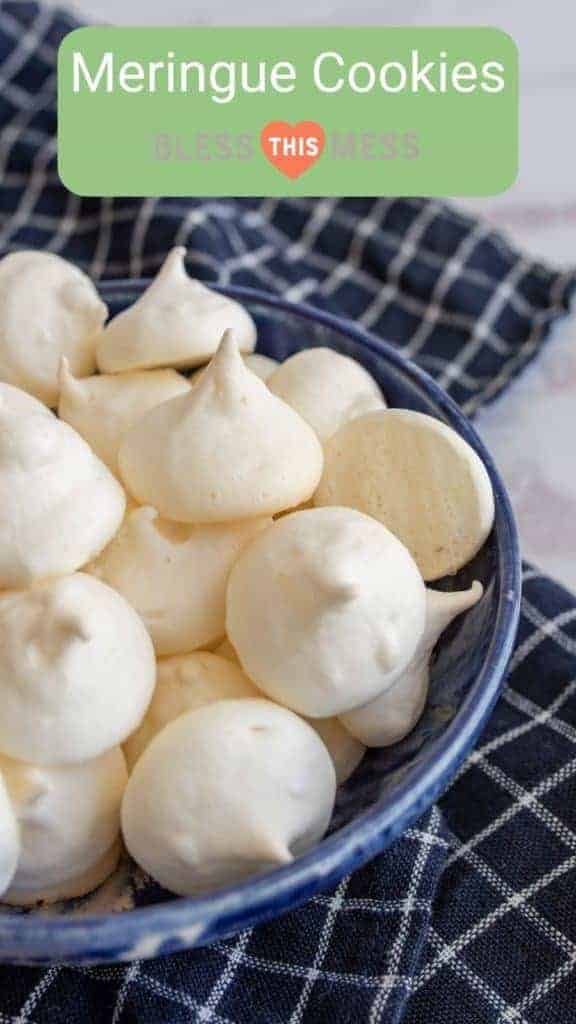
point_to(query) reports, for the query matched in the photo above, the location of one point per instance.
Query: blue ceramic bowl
(392, 787)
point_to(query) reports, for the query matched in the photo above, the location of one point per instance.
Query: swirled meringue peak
(48, 308)
(59, 504)
(175, 575)
(77, 670)
(9, 838)
(176, 322)
(103, 408)
(228, 450)
(230, 790)
(325, 610)
(326, 388)
(394, 713)
(69, 818)
(184, 683)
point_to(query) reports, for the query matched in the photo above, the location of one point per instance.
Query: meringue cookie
(77, 670)
(418, 477)
(69, 820)
(344, 749)
(48, 308)
(228, 450)
(60, 505)
(176, 322)
(325, 610)
(393, 714)
(183, 684)
(104, 408)
(175, 575)
(227, 791)
(9, 838)
(326, 388)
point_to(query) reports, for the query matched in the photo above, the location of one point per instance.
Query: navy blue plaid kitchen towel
(471, 916)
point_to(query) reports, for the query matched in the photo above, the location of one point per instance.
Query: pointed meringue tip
(226, 364)
(445, 606)
(228, 346)
(174, 261)
(274, 850)
(337, 584)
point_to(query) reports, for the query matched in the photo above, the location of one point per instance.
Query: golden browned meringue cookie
(418, 477)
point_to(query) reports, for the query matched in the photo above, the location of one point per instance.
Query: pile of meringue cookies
(212, 588)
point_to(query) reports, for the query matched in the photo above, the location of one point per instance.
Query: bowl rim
(182, 922)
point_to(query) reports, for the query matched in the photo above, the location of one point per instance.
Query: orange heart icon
(292, 148)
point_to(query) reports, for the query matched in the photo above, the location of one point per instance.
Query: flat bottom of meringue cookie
(72, 889)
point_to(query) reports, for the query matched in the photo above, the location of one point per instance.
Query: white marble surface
(532, 430)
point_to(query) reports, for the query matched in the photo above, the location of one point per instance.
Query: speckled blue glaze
(392, 787)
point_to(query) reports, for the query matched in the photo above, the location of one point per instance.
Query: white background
(532, 431)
